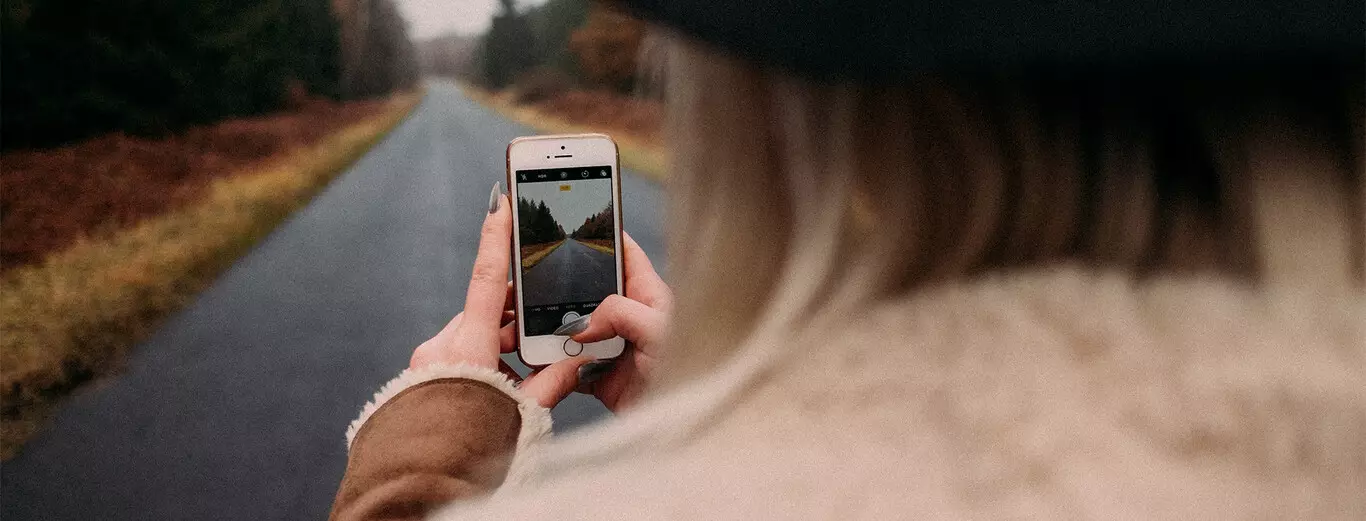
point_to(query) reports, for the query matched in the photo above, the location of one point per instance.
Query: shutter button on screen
(571, 347)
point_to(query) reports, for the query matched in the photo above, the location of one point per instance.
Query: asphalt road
(571, 273)
(237, 407)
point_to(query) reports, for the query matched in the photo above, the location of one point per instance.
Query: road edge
(69, 330)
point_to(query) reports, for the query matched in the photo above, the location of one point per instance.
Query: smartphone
(566, 193)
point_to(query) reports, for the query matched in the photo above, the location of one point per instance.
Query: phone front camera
(561, 147)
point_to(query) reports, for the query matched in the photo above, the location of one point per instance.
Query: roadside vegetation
(54, 197)
(535, 253)
(539, 233)
(607, 246)
(146, 146)
(590, 69)
(147, 224)
(75, 70)
(598, 231)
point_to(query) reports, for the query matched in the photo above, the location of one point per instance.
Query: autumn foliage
(606, 47)
(556, 46)
(598, 226)
(52, 197)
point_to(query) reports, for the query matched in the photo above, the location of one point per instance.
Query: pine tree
(507, 47)
(74, 68)
(538, 225)
(599, 226)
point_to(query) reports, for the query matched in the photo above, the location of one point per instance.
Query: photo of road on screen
(568, 255)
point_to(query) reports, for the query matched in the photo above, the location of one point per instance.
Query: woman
(947, 262)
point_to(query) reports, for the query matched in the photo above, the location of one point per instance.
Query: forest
(566, 66)
(597, 227)
(77, 68)
(536, 224)
(545, 49)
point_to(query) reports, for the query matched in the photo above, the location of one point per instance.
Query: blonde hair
(790, 196)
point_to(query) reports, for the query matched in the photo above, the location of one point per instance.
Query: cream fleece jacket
(1052, 395)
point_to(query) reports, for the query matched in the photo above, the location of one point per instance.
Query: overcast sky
(572, 207)
(430, 18)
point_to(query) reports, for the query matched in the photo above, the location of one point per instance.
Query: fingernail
(592, 371)
(573, 327)
(493, 197)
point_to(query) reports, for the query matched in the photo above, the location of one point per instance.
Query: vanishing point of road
(236, 408)
(572, 273)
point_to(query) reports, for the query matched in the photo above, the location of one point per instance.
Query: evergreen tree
(552, 23)
(73, 68)
(599, 226)
(537, 224)
(508, 47)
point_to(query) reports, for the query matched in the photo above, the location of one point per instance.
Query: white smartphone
(566, 193)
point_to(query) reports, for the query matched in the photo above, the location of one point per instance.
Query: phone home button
(572, 348)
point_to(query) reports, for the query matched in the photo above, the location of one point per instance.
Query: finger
(511, 301)
(619, 316)
(507, 338)
(586, 388)
(643, 283)
(508, 317)
(488, 281)
(551, 384)
(614, 386)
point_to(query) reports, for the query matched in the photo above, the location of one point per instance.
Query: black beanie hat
(885, 39)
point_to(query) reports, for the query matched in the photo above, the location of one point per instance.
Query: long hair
(792, 197)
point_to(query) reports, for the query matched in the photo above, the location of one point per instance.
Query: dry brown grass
(607, 246)
(633, 123)
(534, 253)
(73, 316)
(53, 197)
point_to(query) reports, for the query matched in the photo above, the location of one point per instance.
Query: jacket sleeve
(432, 436)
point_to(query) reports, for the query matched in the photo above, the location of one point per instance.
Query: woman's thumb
(550, 385)
(619, 316)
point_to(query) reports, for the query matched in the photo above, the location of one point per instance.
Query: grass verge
(73, 316)
(534, 253)
(115, 181)
(637, 153)
(605, 246)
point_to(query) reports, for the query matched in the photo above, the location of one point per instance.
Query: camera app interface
(568, 249)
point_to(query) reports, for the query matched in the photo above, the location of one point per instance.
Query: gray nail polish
(592, 371)
(573, 327)
(493, 196)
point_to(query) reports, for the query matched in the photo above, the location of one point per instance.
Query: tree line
(377, 58)
(76, 68)
(558, 44)
(597, 227)
(536, 225)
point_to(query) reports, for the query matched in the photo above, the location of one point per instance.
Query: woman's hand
(640, 317)
(477, 335)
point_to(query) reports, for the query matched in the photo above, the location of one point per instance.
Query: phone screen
(566, 229)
